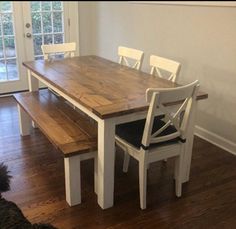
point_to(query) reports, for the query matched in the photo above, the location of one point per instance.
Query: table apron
(73, 102)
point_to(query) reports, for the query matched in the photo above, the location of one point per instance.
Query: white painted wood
(24, 121)
(21, 83)
(106, 148)
(24, 45)
(87, 156)
(72, 164)
(158, 64)
(33, 86)
(49, 51)
(143, 178)
(159, 97)
(73, 176)
(96, 173)
(72, 180)
(33, 82)
(133, 54)
(69, 99)
(189, 143)
(179, 164)
(182, 119)
(105, 170)
(71, 25)
(126, 162)
(106, 160)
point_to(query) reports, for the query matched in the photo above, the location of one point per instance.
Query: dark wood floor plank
(208, 201)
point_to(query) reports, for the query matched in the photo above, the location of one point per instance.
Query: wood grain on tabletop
(106, 88)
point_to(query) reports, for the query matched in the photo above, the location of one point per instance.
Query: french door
(24, 27)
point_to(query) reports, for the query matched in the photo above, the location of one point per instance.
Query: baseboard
(216, 139)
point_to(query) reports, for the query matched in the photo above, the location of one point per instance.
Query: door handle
(27, 25)
(28, 35)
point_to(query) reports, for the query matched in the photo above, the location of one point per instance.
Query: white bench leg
(24, 121)
(72, 180)
(33, 86)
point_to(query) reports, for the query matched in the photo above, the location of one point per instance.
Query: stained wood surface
(71, 132)
(37, 187)
(106, 88)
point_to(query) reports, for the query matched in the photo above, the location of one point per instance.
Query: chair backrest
(68, 49)
(162, 100)
(132, 54)
(158, 63)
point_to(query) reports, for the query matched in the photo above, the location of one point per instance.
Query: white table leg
(32, 81)
(72, 180)
(189, 145)
(106, 161)
(24, 121)
(33, 86)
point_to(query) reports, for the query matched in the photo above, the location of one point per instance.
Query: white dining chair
(171, 69)
(153, 139)
(51, 50)
(130, 57)
(159, 64)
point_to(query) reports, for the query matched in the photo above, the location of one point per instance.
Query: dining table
(110, 94)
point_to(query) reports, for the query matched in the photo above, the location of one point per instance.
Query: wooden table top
(106, 88)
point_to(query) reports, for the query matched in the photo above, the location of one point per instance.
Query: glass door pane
(47, 24)
(24, 27)
(8, 56)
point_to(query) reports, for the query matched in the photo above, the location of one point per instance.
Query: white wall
(203, 39)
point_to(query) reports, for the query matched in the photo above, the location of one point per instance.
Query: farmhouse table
(110, 94)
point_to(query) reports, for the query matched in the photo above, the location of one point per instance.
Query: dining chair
(159, 64)
(153, 139)
(130, 57)
(51, 50)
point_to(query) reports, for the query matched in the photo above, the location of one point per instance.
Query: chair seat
(132, 132)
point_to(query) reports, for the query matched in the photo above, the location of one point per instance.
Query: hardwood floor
(208, 201)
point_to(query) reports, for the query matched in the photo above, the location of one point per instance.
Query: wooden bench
(72, 133)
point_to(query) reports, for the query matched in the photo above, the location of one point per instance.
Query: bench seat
(71, 132)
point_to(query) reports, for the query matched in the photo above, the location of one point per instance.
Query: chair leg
(178, 175)
(142, 183)
(126, 162)
(95, 173)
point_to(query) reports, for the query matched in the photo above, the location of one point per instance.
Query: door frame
(71, 28)
(24, 46)
(7, 86)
